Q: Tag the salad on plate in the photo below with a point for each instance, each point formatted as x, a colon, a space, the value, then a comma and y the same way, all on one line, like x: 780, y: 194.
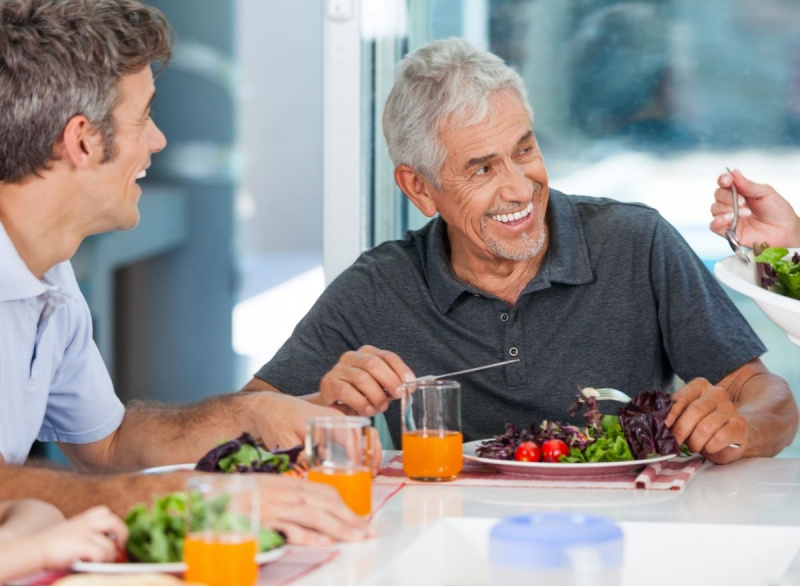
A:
x: 637, y: 432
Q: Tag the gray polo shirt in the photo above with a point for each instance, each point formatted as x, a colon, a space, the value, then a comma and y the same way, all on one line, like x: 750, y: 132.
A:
x: 620, y: 300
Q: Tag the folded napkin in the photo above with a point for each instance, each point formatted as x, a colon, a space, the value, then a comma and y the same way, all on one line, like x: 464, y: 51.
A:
x: 672, y: 474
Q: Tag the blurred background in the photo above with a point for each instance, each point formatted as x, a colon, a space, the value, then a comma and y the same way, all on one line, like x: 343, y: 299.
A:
x: 276, y: 174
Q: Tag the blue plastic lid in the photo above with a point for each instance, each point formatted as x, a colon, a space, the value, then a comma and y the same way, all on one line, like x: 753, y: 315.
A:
x: 543, y: 539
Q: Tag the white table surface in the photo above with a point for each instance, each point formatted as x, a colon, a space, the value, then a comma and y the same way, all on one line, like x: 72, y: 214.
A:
x: 762, y: 491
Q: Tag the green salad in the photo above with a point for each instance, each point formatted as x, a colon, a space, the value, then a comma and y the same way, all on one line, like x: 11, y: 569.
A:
x: 156, y: 536
x: 777, y: 271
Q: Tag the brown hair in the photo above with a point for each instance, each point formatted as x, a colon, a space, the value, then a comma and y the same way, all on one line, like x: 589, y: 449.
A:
x: 61, y: 58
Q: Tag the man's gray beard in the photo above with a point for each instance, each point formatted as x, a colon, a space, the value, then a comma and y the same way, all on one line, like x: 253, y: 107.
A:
x: 530, y: 249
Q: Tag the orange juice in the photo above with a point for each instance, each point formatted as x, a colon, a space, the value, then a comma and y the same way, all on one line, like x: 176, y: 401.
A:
x: 432, y: 455
x: 354, y: 485
x: 220, y: 559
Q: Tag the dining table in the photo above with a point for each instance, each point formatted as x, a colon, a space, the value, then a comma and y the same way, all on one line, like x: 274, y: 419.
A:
x: 734, y: 524
x: 731, y: 524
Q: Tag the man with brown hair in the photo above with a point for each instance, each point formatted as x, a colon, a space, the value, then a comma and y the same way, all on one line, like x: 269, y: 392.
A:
x: 76, y: 88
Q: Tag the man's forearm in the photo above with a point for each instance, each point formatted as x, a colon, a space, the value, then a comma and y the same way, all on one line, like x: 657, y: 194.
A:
x: 767, y: 404
x: 74, y: 493
x: 154, y: 434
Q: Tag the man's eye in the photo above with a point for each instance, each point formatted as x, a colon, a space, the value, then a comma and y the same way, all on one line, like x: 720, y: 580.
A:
x: 483, y: 170
x: 526, y: 150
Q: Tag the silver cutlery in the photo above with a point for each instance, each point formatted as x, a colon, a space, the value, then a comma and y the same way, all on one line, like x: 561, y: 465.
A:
x: 730, y: 233
x: 430, y: 377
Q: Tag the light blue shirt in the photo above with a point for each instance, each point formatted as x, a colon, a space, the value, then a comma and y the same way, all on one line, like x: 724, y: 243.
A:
x: 54, y: 385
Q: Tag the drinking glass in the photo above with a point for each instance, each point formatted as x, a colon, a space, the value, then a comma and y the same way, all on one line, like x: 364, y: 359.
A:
x: 222, y: 527
x: 338, y: 452
x: 432, y: 440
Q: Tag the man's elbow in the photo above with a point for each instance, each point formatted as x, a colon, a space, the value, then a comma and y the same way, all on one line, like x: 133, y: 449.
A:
x: 257, y: 384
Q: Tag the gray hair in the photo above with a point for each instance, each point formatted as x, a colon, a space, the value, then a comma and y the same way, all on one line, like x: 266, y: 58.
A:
x: 61, y: 58
x: 440, y: 81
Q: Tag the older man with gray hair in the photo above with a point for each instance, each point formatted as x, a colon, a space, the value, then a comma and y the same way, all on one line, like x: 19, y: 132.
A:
x: 582, y: 290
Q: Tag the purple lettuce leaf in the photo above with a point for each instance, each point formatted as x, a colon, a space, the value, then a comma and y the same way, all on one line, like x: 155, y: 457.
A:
x: 644, y: 422
x: 277, y: 462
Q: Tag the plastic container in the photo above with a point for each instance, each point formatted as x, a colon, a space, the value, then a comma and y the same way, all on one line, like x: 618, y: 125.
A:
x: 556, y: 549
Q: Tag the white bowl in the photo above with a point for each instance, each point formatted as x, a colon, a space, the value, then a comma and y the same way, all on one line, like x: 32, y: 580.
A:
x: 743, y: 278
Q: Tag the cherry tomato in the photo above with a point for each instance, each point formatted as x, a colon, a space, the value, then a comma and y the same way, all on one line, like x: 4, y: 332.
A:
x: 122, y: 556
x: 527, y: 452
x: 553, y: 449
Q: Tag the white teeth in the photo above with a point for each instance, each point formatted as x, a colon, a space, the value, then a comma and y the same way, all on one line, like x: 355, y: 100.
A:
x: 141, y: 174
x: 505, y: 218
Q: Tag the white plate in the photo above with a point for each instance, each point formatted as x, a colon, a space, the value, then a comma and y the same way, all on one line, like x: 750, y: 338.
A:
x: 169, y: 568
x: 560, y: 470
x: 742, y: 278
x: 169, y: 468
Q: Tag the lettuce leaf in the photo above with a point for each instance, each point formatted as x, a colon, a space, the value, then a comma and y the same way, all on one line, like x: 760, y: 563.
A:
x: 157, y: 536
x: 644, y: 422
x: 779, y: 275
x: 246, y: 454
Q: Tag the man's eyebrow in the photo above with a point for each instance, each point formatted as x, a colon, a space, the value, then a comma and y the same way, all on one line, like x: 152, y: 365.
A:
x: 476, y: 161
x: 480, y: 161
x: 149, y: 103
x: 525, y: 137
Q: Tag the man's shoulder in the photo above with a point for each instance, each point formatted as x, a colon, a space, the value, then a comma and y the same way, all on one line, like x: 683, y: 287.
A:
x: 601, y: 216
x: 394, y: 254
x: 611, y: 208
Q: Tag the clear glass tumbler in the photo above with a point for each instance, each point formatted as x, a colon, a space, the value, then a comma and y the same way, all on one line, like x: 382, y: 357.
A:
x: 338, y: 452
x: 432, y: 440
x: 222, y: 527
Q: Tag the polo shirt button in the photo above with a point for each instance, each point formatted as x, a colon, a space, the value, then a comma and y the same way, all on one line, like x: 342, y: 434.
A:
x: 513, y: 351
x: 503, y: 317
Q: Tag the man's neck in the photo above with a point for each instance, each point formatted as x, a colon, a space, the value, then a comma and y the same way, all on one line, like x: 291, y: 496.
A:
x: 505, y: 279
x: 39, y: 230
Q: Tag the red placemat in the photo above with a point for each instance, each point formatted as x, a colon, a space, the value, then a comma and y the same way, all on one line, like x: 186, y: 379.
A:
x: 672, y: 474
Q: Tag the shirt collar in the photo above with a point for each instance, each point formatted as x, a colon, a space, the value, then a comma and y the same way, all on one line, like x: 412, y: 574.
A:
x: 16, y: 280
x: 566, y: 262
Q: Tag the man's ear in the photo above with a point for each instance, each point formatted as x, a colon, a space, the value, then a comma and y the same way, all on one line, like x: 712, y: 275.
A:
x: 417, y: 188
x: 80, y: 143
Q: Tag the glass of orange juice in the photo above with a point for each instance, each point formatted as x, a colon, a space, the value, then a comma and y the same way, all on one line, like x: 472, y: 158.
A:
x: 222, y: 526
x: 337, y: 449
x: 432, y: 440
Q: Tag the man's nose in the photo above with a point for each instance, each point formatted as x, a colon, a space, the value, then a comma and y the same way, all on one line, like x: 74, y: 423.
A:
x: 516, y: 186
x: 157, y: 140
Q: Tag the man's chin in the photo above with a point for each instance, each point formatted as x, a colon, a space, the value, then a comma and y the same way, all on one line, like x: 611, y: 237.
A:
x: 527, y: 249
x: 131, y: 222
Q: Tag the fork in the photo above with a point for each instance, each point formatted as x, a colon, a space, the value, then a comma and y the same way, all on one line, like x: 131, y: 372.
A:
x: 609, y: 394
x: 730, y: 233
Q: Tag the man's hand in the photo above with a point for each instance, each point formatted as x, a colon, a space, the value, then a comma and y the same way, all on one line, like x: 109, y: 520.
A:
x: 706, y: 420
x: 308, y: 513
x: 365, y: 380
x: 280, y: 420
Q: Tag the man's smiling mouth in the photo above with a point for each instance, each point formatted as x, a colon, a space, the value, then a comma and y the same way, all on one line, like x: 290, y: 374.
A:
x: 516, y: 216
